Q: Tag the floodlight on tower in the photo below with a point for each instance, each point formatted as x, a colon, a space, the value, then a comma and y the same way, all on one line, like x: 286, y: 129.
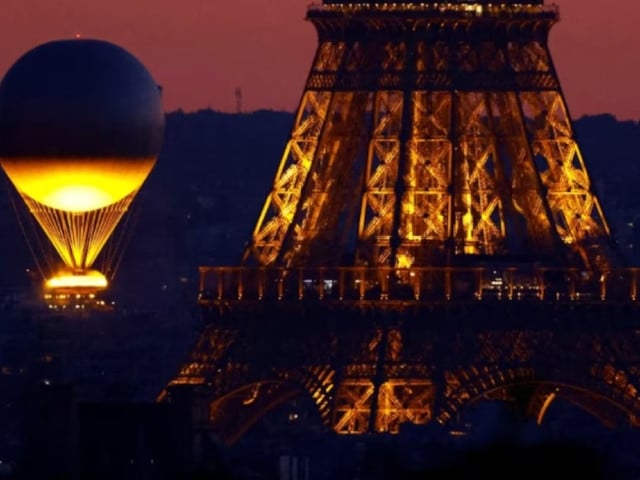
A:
x: 81, y: 126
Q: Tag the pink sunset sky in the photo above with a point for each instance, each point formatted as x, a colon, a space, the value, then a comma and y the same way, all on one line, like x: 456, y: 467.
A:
x: 200, y: 51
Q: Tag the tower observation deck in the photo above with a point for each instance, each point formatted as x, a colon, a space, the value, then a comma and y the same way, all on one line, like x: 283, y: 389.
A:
x: 477, y: 7
x: 448, y: 4
x: 432, y: 238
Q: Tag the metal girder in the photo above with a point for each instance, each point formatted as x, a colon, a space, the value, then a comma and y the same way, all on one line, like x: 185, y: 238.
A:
x: 577, y: 213
x: 281, y: 205
x: 381, y: 175
x: 352, y: 410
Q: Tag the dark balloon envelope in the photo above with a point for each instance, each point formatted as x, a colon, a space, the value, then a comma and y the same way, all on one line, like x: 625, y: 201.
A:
x: 81, y: 126
x: 80, y: 97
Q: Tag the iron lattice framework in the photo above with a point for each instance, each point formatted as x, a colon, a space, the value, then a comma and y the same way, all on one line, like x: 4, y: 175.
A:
x: 428, y: 132
x: 432, y: 238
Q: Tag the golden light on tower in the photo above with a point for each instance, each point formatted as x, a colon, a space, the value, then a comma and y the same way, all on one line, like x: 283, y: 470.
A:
x: 81, y: 125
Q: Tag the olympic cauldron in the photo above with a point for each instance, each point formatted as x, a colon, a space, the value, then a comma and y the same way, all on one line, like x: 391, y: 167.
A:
x: 81, y: 126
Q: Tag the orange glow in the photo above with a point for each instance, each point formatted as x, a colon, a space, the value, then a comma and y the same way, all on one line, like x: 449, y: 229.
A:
x: 77, y: 184
x: 78, y: 201
x: 89, y: 279
x: 404, y: 260
x: 78, y: 237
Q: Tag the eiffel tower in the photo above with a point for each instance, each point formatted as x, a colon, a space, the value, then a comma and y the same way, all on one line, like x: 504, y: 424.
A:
x: 432, y: 239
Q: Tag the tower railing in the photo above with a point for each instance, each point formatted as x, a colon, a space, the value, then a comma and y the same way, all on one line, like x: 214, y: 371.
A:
x: 453, y: 8
x: 420, y: 284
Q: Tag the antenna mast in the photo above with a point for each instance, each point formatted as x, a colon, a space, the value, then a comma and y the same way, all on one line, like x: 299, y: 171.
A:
x: 238, y: 93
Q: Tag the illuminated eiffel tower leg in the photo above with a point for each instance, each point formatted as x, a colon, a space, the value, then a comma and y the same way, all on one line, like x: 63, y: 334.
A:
x: 432, y: 142
x: 442, y: 134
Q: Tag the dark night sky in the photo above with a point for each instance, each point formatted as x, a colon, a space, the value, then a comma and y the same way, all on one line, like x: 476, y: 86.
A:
x: 201, y: 50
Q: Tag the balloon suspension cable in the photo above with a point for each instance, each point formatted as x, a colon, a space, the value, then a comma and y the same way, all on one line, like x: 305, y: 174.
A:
x: 25, y: 234
x: 114, y: 253
x: 78, y: 238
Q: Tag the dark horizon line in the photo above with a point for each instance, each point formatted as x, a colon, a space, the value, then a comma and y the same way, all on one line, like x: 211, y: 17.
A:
x: 180, y: 110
